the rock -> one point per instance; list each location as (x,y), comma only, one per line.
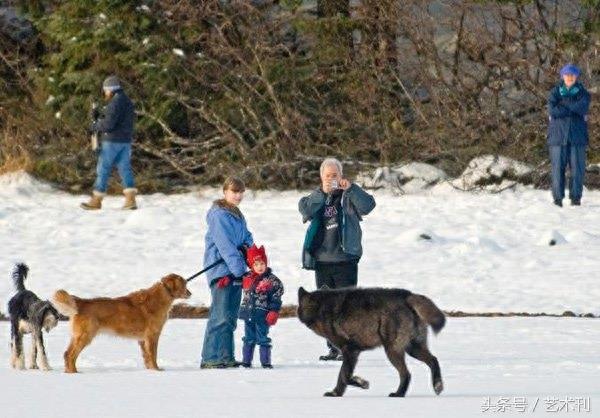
(14,26)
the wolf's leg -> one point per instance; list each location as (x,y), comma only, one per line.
(421,352)
(358,382)
(348,365)
(396,357)
(39,342)
(33,358)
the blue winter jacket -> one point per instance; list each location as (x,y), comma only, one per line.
(227,231)
(568,117)
(356,203)
(116,124)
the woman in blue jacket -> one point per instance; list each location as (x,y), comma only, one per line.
(227,234)
(568,106)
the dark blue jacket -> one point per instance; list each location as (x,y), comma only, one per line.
(116,124)
(263,295)
(227,231)
(568,117)
(356,203)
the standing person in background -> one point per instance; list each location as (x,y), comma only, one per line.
(568,106)
(115,128)
(332,246)
(227,233)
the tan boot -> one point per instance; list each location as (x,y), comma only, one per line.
(95,202)
(130,203)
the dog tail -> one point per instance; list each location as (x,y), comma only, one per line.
(427,311)
(64,303)
(19,275)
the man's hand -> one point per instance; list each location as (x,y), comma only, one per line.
(345,184)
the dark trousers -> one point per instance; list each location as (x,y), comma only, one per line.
(336,276)
(561,157)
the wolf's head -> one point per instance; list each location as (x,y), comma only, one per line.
(308,309)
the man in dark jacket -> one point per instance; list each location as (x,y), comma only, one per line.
(332,246)
(115,128)
(568,106)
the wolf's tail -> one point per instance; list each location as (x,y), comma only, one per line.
(427,311)
(19,275)
(64,303)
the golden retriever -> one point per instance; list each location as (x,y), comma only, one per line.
(139,315)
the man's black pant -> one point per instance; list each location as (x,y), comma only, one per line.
(336,276)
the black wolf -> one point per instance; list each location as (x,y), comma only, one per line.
(29,314)
(356,319)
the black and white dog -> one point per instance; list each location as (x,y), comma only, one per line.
(29,314)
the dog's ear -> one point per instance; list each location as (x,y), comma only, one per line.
(170,282)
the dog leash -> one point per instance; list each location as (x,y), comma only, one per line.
(241,249)
(216,263)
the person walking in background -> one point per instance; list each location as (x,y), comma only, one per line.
(568,107)
(115,128)
(332,246)
(260,307)
(227,234)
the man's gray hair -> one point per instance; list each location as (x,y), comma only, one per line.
(334,162)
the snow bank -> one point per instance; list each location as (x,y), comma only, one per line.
(491,168)
(411,177)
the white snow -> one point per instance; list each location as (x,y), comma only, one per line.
(488,166)
(179,52)
(537,359)
(411,177)
(487,252)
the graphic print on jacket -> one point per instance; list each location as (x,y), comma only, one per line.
(261,296)
(330,239)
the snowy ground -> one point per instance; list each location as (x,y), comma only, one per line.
(543,360)
(488,252)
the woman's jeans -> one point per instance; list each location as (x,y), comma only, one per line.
(574,157)
(111,154)
(218,345)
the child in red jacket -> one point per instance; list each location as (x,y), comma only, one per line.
(260,306)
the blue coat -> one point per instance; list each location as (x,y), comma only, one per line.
(568,117)
(227,231)
(116,125)
(355,204)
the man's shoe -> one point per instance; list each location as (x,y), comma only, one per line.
(130,203)
(95,201)
(558,203)
(575,202)
(332,355)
